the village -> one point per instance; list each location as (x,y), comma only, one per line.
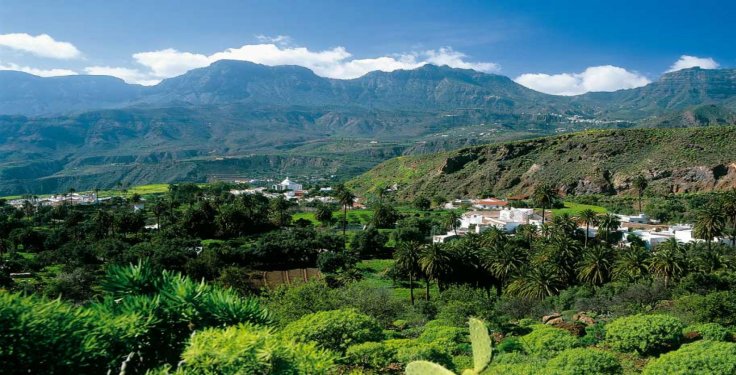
(477,214)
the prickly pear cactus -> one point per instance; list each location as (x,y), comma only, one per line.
(481,343)
(482,354)
(426,368)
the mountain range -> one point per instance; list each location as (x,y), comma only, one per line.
(242,119)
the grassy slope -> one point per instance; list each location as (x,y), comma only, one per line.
(602,160)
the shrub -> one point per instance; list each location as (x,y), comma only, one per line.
(702,357)
(510,345)
(546,341)
(515,364)
(458,303)
(39,335)
(375,355)
(244,349)
(583,361)
(645,334)
(425,352)
(335,330)
(709,331)
(718,307)
(444,336)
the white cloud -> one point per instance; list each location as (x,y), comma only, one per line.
(686,61)
(40,45)
(595,78)
(38,72)
(333,63)
(278,39)
(126,74)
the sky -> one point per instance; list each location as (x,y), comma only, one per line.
(558,47)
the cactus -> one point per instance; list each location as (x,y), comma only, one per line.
(426,368)
(482,354)
(481,343)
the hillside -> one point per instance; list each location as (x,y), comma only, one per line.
(93,131)
(674,160)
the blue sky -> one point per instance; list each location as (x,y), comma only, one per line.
(562,47)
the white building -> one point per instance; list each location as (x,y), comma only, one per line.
(489,204)
(287,184)
(479,221)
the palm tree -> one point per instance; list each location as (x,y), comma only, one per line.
(544,196)
(346,199)
(667,261)
(609,223)
(407,262)
(588,217)
(729,209)
(528,233)
(535,281)
(596,265)
(435,263)
(504,261)
(640,184)
(452,219)
(71,194)
(632,263)
(710,224)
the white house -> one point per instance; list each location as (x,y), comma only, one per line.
(636,219)
(489,204)
(287,184)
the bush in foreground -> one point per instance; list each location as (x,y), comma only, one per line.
(644,334)
(702,357)
(335,330)
(583,361)
(547,341)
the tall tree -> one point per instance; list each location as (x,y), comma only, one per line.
(596,265)
(709,224)
(608,223)
(505,261)
(435,264)
(640,183)
(346,199)
(728,202)
(324,214)
(666,261)
(632,263)
(588,217)
(407,262)
(545,195)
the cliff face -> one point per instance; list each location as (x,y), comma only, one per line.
(601,162)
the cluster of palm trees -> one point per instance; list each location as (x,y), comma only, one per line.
(538,262)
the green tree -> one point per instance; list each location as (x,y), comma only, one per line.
(640,183)
(632,263)
(597,265)
(709,224)
(421,203)
(435,264)
(588,217)
(407,262)
(666,261)
(544,196)
(324,214)
(729,209)
(609,223)
(346,199)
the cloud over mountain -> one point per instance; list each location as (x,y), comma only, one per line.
(687,61)
(41,45)
(336,62)
(595,78)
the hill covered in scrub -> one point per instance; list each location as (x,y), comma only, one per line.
(606,161)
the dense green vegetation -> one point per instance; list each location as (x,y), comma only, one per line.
(105,294)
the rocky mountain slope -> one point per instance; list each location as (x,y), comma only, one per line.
(673,160)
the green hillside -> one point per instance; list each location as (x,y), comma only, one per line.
(673,160)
